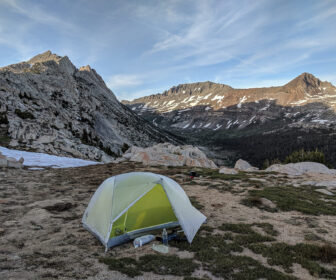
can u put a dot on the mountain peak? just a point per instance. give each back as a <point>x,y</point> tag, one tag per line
<point>305,80</point>
<point>46,56</point>
<point>63,61</point>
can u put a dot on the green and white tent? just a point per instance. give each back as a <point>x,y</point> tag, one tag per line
<point>129,205</point>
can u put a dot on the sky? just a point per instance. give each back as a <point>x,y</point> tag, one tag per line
<point>143,47</point>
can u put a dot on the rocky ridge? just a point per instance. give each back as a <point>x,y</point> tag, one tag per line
<point>48,105</point>
<point>216,106</point>
<point>240,123</point>
<point>304,89</point>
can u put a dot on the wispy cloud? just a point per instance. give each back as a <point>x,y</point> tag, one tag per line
<point>142,46</point>
<point>37,14</point>
<point>121,81</point>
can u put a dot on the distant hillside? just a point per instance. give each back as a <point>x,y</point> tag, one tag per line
<point>255,123</point>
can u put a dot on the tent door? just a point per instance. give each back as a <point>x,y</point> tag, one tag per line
<point>119,226</point>
<point>152,209</point>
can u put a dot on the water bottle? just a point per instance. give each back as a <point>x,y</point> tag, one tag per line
<point>138,242</point>
<point>164,237</point>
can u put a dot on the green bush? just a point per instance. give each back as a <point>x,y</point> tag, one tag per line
<point>302,155</point>
<point>299,156</point>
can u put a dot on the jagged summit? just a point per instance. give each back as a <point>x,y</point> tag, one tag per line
<point>305,80</point>
<point>46,56</point>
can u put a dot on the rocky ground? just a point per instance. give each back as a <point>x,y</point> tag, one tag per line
<point>260,226</point>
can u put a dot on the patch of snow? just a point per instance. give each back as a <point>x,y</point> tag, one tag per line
<point>41,159</point>
<point>207,96</point>
<point>257,101</point>
<point>193,126</point>
<point>207,108</point>
<point>252,118</point>
<point>228,124</point>
<point>241,100</point>
<point>217,97</point>
<point>320,121</point>
<point>36,168</point>
<point>184,110</point>
<point>170,102</point>
<point>133,108</point>
<point>190,98</point>
<point>194,103</point>
<point>324,88</point>
<point>186,126</point>
<point>172,107</point>
<point>183,91</point>
<point>154,122</point>
<point>265,108</point>
<point>218,126</point>
<point>207,125</point>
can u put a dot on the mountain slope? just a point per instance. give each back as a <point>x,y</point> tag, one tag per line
<point>302,90</point>
<point>48,105</point>
<point>239,122</point>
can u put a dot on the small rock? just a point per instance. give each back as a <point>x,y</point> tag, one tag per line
<point>266,202</point>
<point>324,191</point>
<point>36,215</point>
<point>243,165</point>
<point>226,170</point>
<point>2,231</point>
<point>259,180</point>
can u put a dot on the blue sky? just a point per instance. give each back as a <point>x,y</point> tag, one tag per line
<point>144,47</point>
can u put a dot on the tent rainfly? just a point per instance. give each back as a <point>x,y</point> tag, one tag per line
<point>128,205</point>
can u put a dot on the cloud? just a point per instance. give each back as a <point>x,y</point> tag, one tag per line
<point>122,81</point>
<point>143,45</point>
<point>37,14</point>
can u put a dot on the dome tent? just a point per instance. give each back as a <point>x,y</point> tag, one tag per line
<point>128,205</point>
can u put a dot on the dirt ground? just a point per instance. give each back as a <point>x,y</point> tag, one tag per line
<point>41,236</point>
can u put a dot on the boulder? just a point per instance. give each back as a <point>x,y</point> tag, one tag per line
<point>3,162</point>
<point>267,203</point>
<point>243,165</point>
<point>300,168</point>
<point>324,191</point>
<point>226,170</point>
<point>10,162</point>
<point>328,184</point>
<point>168,155</point>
